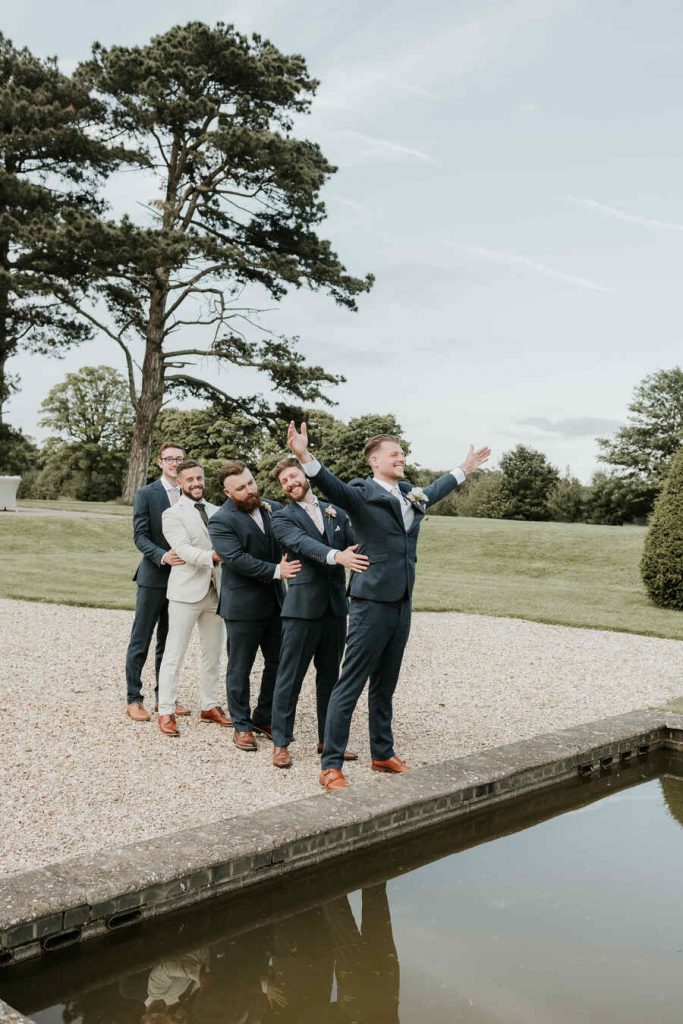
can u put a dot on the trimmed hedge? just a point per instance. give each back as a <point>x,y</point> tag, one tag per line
<point>662,563</point>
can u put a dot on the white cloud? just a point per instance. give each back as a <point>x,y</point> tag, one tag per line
<point>512,260</point>
<point>368,147</point>
<point>632,218</point>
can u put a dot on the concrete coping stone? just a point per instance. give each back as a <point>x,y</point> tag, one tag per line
<point>84,893</point>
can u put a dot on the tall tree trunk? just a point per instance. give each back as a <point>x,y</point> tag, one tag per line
<point>6,343</point>
<point>151,394</point>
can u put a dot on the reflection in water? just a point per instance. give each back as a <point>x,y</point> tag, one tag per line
<point>316,967</point>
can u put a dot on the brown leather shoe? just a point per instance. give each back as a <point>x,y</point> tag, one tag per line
<point>137,712</point>
<point>281,758</point>
<point>394,764</point>
<point>332,778</point>
<point>216,715</point>
<point>264,730</point>
<point>348,754</point>
<point>244,740</point>
<point>179,710</point>
<point>167,725</point>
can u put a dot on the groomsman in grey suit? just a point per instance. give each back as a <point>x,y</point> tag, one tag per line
<point>252,593</point>
<point>315,607</point>
<point>193,590</point>
<point>386,512</point>
<point>151,605</point>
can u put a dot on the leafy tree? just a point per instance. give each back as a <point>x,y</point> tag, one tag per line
<point>643,449</point>
<point>210,114</point>
<point>567,500</point>
<point>18,453</point>
<point>662,562</point>
<point>50,162</point>
<point>340,445</point>
<point>482,496</point>
<point>528,478</point>
<point>92,419</point>
<point>613,500</point>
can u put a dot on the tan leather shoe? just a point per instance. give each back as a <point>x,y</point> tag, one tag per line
<point>167,725</point>
<point>281,758</point>
<point>216,715</point>
<point>244,740</point>
<point>332,778</point>
<point>348,754</point>
<point>137,712</point>
<point>394,764</point>
<point>179,710</point>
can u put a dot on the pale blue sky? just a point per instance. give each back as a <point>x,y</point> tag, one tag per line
<point>510,171</point>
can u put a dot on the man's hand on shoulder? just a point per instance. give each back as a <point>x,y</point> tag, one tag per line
<point>172,558</point>
<point>474,459</point>
<point>350,559</point>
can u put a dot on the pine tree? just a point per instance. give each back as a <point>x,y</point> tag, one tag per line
<point>662,562</point>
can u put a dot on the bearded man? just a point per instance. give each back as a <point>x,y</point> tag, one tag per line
<point>252,592</point>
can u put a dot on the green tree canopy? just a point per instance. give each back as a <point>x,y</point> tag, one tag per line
<point>50,164</point>
<point>662,562</point>
<point>210,115</point>
<point>528,478</point>
<point>643,448</point>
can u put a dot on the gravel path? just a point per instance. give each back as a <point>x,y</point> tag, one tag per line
<point>78,775</point>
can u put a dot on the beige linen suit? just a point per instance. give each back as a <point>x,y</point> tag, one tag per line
<point>193,590</point>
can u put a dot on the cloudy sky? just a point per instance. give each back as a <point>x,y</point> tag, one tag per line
<point>510,170</point>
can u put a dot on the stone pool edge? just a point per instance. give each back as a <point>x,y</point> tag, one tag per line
<point>83,897</point>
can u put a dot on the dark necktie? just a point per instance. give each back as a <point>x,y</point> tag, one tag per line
<point>202,511</point>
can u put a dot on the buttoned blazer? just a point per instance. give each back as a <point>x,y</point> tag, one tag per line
<point>148,507</point>
<point>380,531</point>
<point>186,533</point>
<point>248,590</point>
<point>318,586</point>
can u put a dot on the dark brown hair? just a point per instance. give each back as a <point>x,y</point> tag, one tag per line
<point>232,468</point>
<point>189,464</point>
<point>374,442</point>
<point>289,463</point>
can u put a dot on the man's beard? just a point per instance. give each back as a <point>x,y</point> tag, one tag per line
<point>192,497</point>
<point>247,504</point>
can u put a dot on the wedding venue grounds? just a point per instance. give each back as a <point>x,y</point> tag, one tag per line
<point>520,629</point>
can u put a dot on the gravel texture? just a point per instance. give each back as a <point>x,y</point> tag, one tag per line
<point>78,776</point>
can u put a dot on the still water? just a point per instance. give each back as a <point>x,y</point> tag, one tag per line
<point>543,914</point>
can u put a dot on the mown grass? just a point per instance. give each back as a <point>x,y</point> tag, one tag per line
<point>573,575</point>
<point>113,508</point>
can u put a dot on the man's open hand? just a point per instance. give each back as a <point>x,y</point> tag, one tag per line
<point>474,459</point>
<point>172,558</point>
<point>297,441</point>
<point>288,569</point>
<point>351,560</point>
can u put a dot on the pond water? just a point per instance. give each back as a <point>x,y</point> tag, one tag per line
<point>543,913</point>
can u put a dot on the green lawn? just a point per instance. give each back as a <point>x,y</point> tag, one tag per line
<point>551,572</point>
<point>114,508</point>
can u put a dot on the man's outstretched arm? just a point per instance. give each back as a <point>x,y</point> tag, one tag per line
<point>348,498</point>
<point>442,487</point>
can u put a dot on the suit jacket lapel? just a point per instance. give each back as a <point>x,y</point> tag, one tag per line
<point>389,499</point>
<point>328,524</point>
<point>165,497</point>
<point>306,521</point>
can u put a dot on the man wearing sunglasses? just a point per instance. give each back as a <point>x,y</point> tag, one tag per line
<point>151,605</point>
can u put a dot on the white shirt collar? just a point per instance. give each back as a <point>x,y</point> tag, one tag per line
<point>169,486</point>
<point>387,487</point>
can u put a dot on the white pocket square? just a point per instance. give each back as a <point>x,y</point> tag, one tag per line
<point>337,529</point>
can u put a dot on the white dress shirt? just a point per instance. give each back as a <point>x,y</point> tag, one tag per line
<point>312,509</point>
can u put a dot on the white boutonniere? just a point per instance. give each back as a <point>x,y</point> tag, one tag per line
<point>267,506</point>
<point>417,496</point>
<point>331,512</point>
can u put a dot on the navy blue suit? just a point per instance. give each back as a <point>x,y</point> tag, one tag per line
<point>250,602</point>
<point>379,622</point>
<point>313,613</point>
<point>151,606</point>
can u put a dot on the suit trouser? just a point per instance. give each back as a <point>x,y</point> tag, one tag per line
<point>302,639</point>
<point>378,634</point>
<point>151,609</point>
<point>244,640</point>
<point>182,617</point>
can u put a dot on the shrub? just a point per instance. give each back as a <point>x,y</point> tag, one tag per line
<point>662,562</point>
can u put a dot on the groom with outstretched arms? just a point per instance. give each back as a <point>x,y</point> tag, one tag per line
<point>386,512</point>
